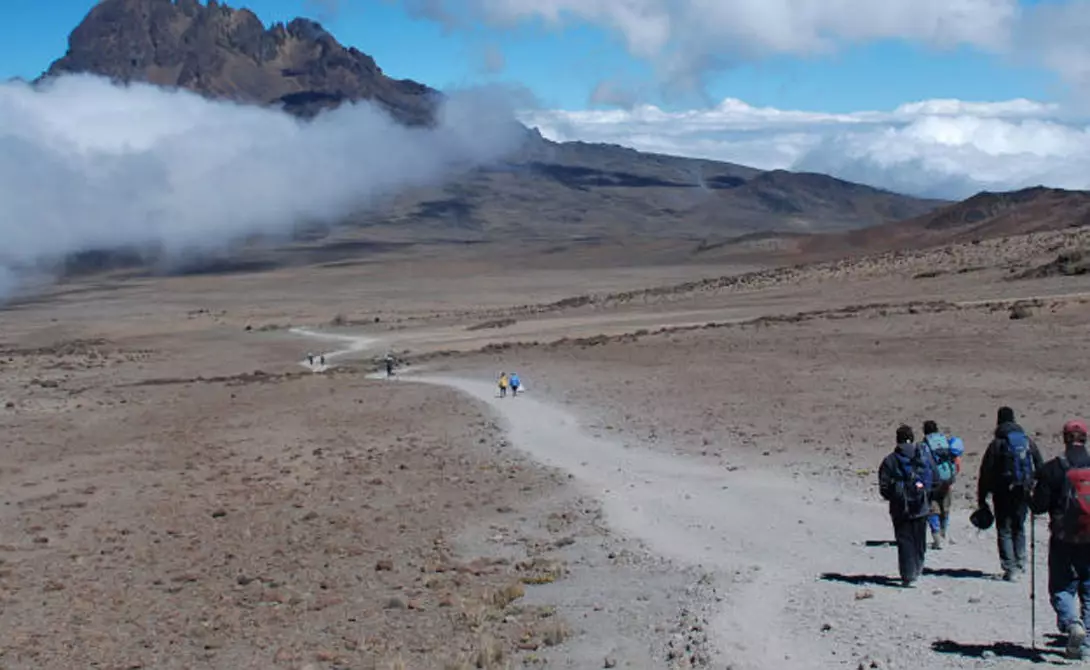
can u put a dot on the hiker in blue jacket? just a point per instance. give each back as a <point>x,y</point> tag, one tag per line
<point>515,383</point>
<point>1007,473</point>
<point>905,479</point>
<point>946,454</point>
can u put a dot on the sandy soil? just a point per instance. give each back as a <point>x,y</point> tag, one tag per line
<point>688,482</point>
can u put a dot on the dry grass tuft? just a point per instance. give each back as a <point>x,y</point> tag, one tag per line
<point>508,594</point>
<point>541,571</point>
<point>556,633</point>
<point>490,653</point>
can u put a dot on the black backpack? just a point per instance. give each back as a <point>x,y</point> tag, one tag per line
<point>912,488</point>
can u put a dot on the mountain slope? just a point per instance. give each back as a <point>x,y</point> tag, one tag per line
<point>547,190</point>
<point>578,190</point>
<point>982,216</point>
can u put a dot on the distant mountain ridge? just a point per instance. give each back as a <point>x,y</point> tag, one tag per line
<point>546,190</point>
<point>979,217</point>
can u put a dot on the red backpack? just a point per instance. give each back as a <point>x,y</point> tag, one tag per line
<point>1075,522</point>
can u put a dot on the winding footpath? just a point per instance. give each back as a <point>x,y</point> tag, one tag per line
<point>804,567</point>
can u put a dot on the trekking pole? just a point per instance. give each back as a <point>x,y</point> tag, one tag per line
<point>1033,582</point>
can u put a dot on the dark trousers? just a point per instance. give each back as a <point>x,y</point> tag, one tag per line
<point>911,537</point>
<point>1069,582</point>
<point>1010,526</point>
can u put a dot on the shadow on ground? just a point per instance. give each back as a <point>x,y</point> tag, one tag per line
<point>958,573</point>
<point>861,580</point>
<point>1008,650</point>
<point>885,580</point>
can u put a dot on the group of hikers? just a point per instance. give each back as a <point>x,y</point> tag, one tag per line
<point>917,478</point>
<point>511,381</point>
<point>310,359</point>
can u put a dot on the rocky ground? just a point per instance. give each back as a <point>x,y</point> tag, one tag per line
<point>179,492</point>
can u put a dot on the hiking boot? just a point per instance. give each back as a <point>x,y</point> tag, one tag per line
<point>1013,576</point>
<point>1076,635</point>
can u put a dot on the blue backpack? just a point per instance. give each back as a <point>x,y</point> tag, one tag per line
<point>1018,469</point>
<point>945,468</point>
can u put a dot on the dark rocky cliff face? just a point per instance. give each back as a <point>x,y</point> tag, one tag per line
<point>228,53</point>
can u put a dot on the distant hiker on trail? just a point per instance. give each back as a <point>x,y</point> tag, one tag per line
<point>946,454</point>
<point>503,384</point>
<point>310,359</point>
<point>1063,490</point>
<point>515,383</point>
<point>1007,472</point>
<point>321,360</point>
<point>389,366</point>
<point>905,480</point>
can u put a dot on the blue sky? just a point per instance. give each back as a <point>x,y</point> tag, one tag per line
<point>563,67</point>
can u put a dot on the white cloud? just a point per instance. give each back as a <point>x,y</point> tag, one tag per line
<point>941,148</point>
<point>686,40</point>
<point>85,164</point>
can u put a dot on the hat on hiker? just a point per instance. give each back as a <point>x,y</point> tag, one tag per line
<point>1005,415</point>
<point>982,518</point>
<point>1075,431</point>
<point>905,434</point>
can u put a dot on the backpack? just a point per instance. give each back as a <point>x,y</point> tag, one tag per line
<point>913,485</point>
<point>945,468</point>
<point>1018,461</point>
<point>1074,521</point>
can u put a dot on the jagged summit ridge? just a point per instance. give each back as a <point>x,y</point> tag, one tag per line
<point>223,52</point>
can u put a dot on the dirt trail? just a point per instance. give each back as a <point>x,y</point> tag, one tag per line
<point>355,344</point>
<point>805,569</point>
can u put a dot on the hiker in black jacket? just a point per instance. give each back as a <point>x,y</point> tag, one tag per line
<point>1007,472</point>
<point>1069,537</point>
<point>905,479</point>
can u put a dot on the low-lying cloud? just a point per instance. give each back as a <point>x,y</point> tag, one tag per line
<point>89,165</point>
<point>938,148</point>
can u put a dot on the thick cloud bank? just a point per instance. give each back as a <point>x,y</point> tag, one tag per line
<point>87,165</point>
<point>940,148</point>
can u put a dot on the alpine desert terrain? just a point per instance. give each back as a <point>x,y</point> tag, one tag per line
<point>688,480</point>
<point>205,465</point>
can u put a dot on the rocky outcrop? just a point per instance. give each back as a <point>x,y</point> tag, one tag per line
<point>222,52</point>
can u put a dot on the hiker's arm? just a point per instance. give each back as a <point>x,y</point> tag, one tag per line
<point>885,480</point>
<point>1038,461</point>
<point>984,480</point>
<point>1041,500</point>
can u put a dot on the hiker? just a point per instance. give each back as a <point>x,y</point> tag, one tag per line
<point>503,384</point>
<point>1063,490</point>
<point>321,360</point>
<point>945,452</point>
<point>310,359</point>
<point>389,366</point>
<point>905,480</point>
<point>515,383</point>
<point>1007,471</point>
